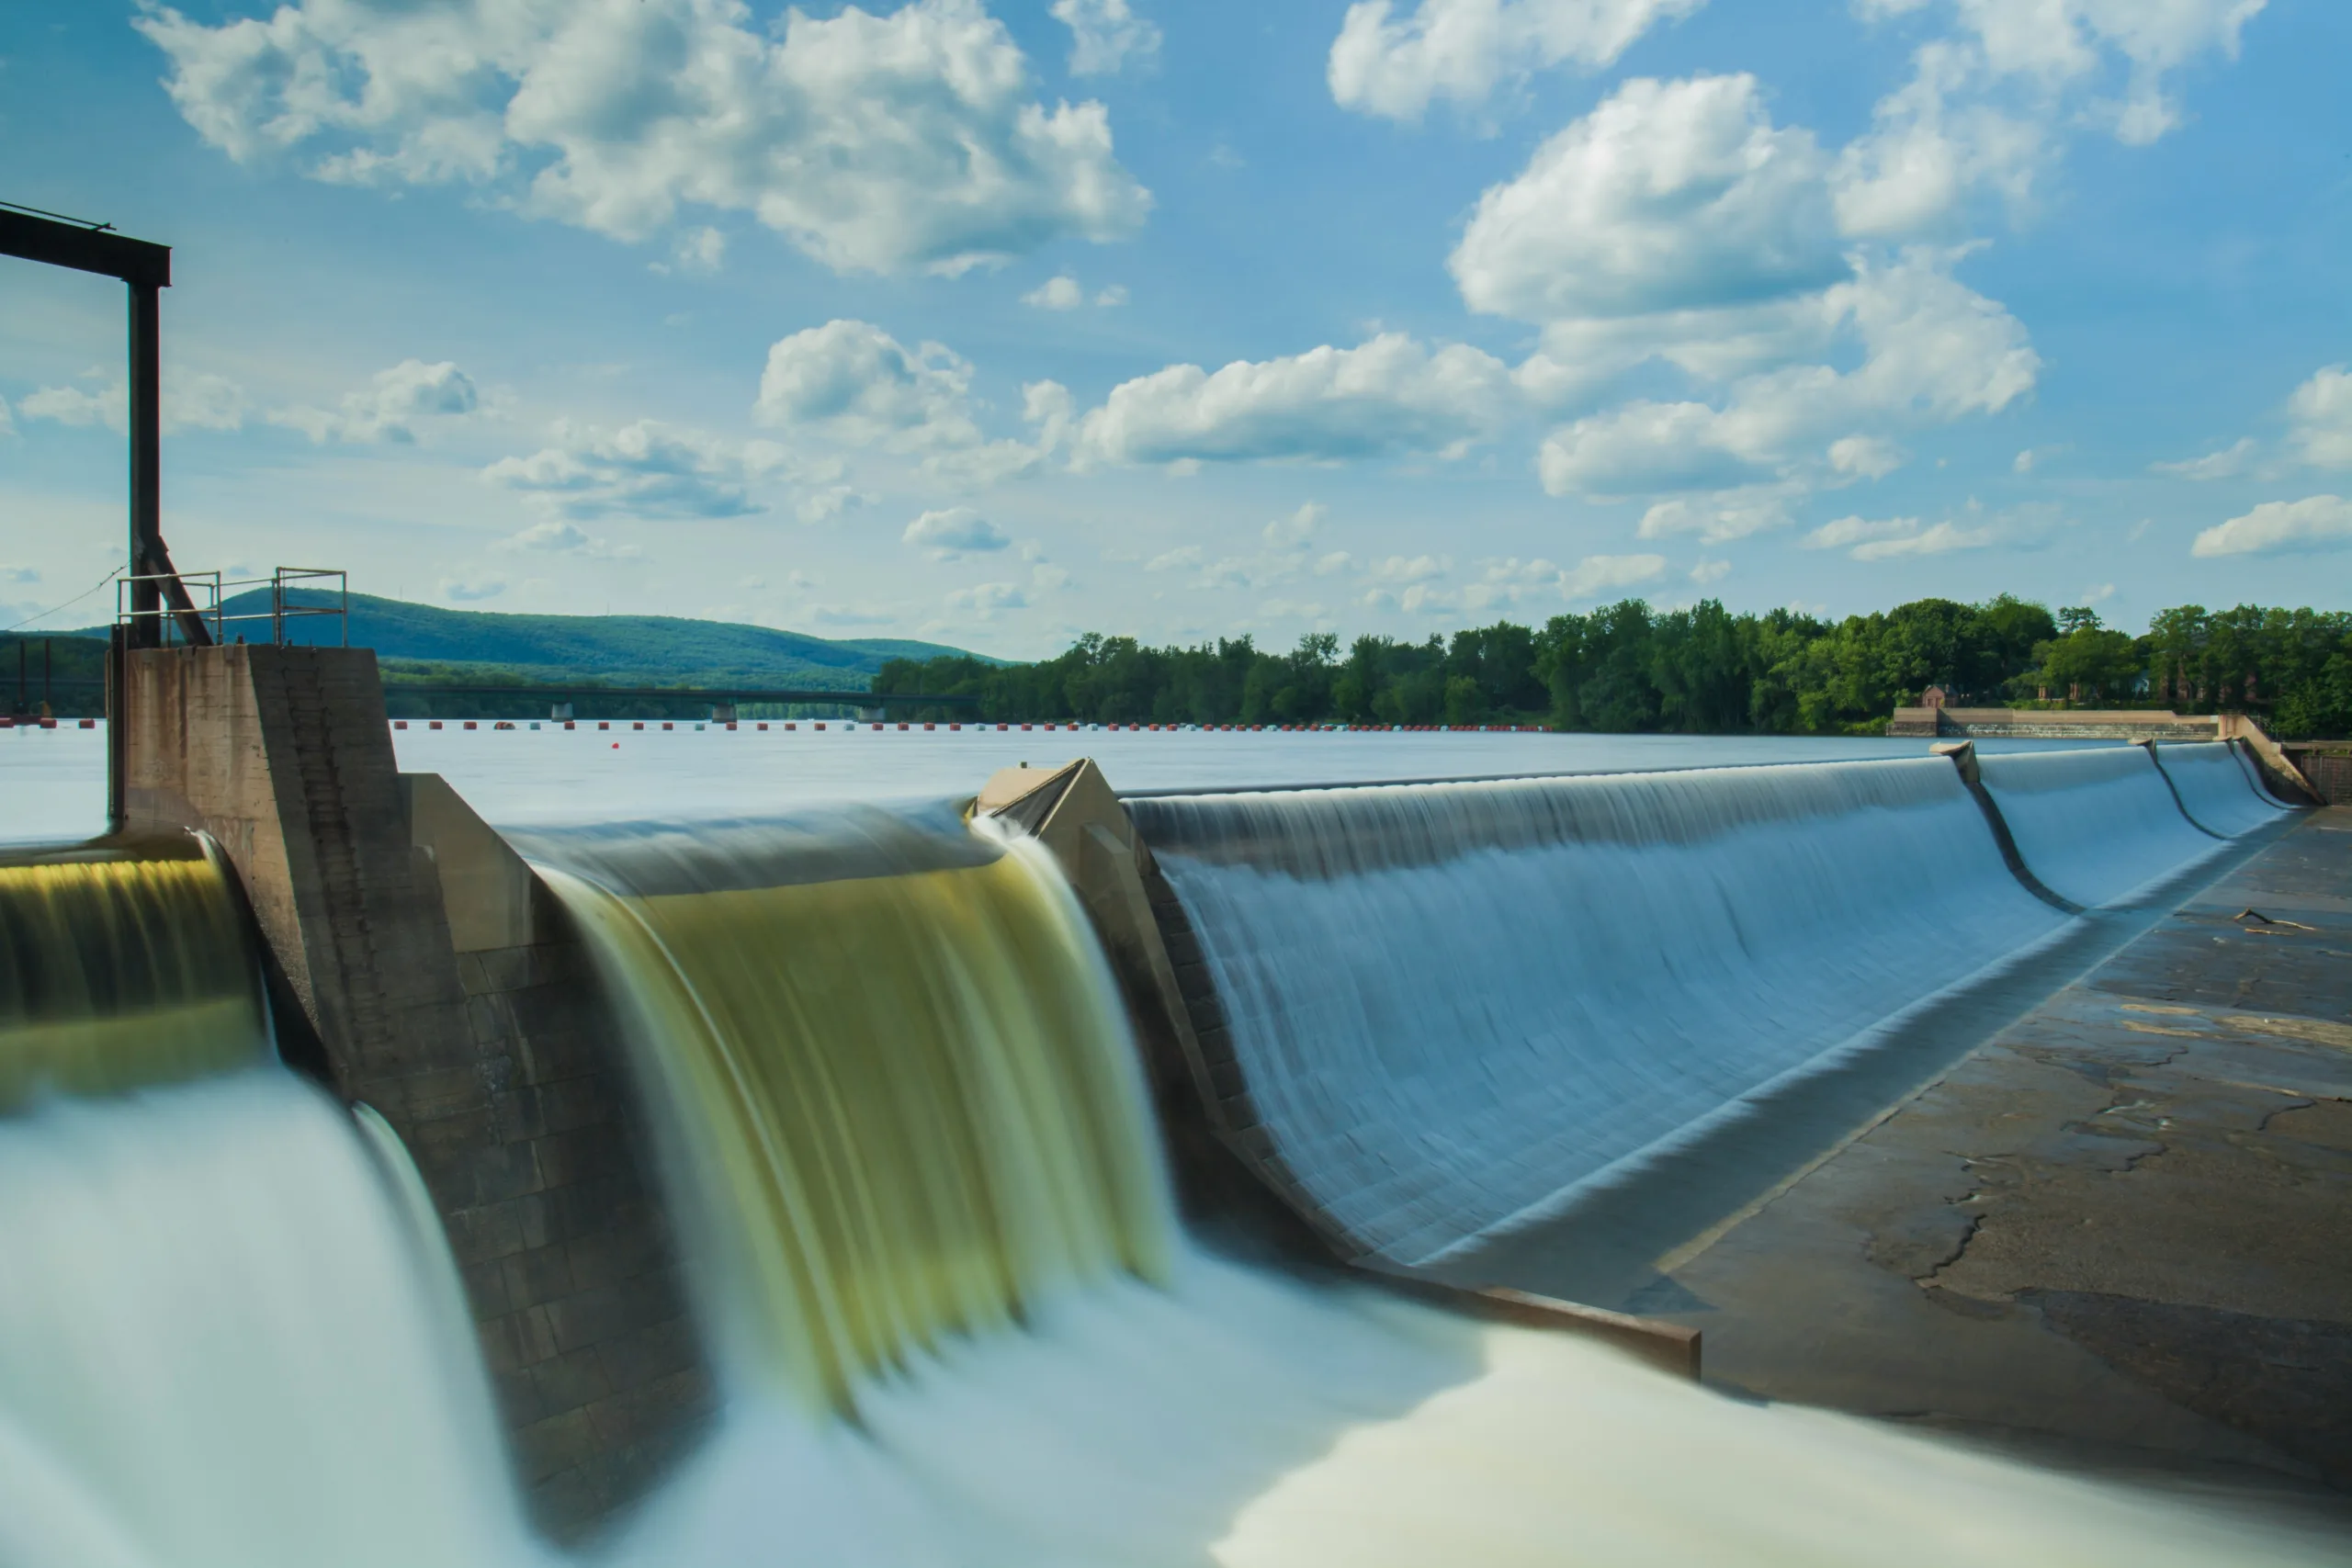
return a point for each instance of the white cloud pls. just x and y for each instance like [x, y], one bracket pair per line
[467, 590]
[949, 534]
[1849, 531]
[1467, 50]
[555, 537]
[1111, 296]
[403, 401]
[699, 250]
[2281, 527]
[848, 616]
[201, 401]
[1389, 395]
[1056, 294]
[645, 469]
[1887, 538]
[1933, 351]
[985, 599]
[1410, 568]
[1708, 572]
[2228, 463]
[1716, 518]
[1181, 558]
[1597, 575]
[1105, 34]
[2054, 42]
[859, 384]
[1295, 530]
[1669, 195]
[872, 143]
[1865, 456]
[2321, 419]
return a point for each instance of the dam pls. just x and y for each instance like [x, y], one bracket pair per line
[1336, 1172]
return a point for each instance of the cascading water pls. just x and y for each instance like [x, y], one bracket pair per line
[121, 970]
[884, 1052]
[2214, 788]
[225, 1342]
[1464, 1007]
[2099, 827]
[903, 1113]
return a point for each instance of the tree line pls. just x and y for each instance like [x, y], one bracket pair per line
[1628, 668]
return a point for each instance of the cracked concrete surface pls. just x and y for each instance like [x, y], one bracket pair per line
[2113, 1236]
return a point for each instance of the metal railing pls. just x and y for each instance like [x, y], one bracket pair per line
[212, 594]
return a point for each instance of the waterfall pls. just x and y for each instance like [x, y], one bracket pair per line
[2101, 826]
[223, 1346]
[120, 971]
[1460, 1007]
[883, 1046]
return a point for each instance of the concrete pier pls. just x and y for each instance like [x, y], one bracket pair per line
[446, 990]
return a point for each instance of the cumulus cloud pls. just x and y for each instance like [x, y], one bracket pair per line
[1596, 575]
[2281, 527]
[410, 398]
[469, 590]
[878, 143]
[1985, 105]
[1389, 395]
[1468, 50]
[2227, 463]
[1708, 572]
[2320, 416]
[952, 533]
[200, 402]
[1669, 195]
[858, 383]
[645, 469]
[1933, 351]
[1105, 34]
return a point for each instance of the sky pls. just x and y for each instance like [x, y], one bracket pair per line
[992, 322]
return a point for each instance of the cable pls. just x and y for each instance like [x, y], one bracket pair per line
[44, 614]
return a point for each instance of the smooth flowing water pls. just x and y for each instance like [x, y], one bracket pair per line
[2217, 788]
[2099, 827]
[1462, 1008]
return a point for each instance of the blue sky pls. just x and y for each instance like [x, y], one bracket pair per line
[990, 321]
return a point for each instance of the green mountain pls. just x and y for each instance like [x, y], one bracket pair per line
[625, 650]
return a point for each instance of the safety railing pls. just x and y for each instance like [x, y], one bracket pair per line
[212, 595]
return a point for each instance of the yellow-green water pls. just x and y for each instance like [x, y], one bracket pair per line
[894, 1093]
[120, 973]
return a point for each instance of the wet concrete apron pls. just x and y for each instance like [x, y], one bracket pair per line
[2118, 1235]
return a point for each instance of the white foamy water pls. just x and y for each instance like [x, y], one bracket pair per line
[1464, 1006]
[2096, 826]
[222, 1345]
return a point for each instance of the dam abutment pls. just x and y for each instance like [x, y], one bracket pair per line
[446, 990]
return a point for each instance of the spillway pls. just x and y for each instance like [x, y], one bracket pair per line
[2099, 827]
[2216, 787]
[1461, 1008]
[964, 1329]
[906, 1135]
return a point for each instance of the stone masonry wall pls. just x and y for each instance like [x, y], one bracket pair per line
[468, 1026]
